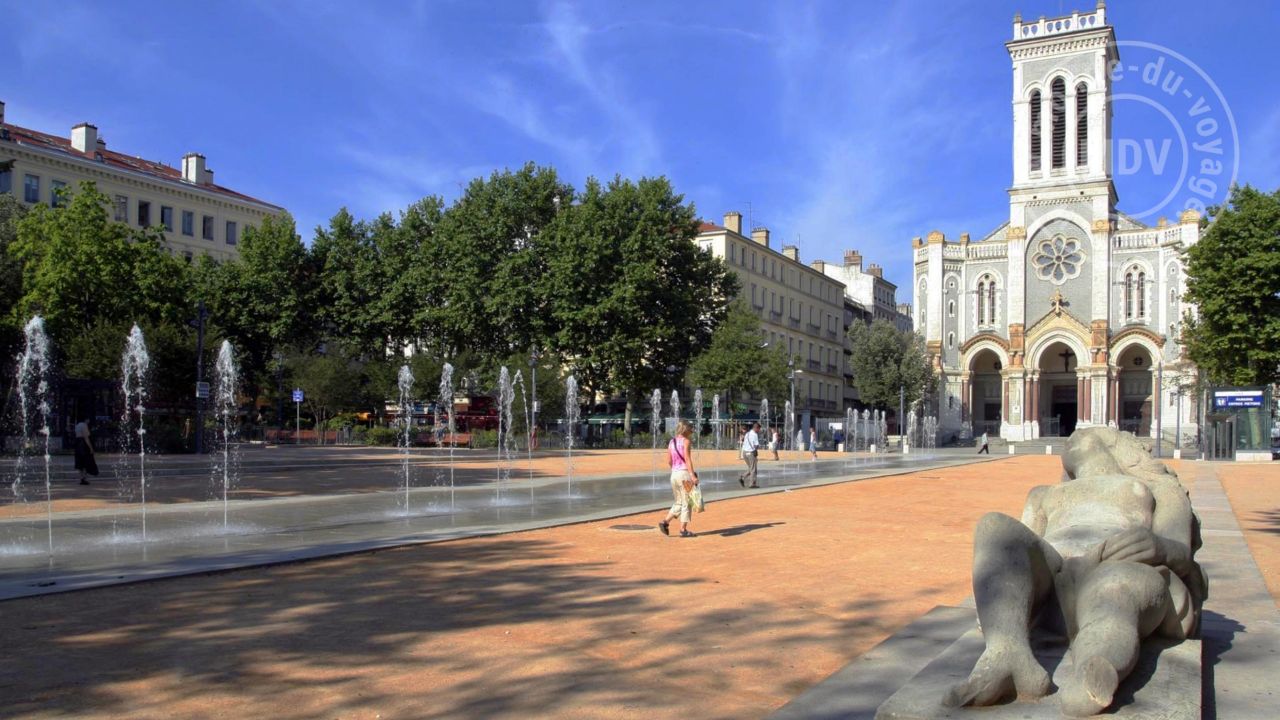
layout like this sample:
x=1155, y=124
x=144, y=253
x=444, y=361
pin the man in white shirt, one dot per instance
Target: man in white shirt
x=750, y=453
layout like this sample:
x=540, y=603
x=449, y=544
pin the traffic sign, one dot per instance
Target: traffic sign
x=297, y=395
x=202, y=389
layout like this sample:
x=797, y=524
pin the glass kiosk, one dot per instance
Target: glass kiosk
x=1238, y=424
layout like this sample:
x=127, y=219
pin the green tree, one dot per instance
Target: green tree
x=11, y=212
x=1233, y=279
x=80, y=267
x=261, y=300
x=488, y=254
x=885, y=359
x=633, y=297
x=737, y=361
x=333, y=383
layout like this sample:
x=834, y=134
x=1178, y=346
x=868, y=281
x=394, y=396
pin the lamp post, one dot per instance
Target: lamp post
x=534, y=356
x=1158, y=396
x=201, y=315
x=902, y=408
x=791, y=377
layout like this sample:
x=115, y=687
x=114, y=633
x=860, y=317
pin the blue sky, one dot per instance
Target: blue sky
x=836, y=124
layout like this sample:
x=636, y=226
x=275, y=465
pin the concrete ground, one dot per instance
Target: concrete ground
x=601, y=619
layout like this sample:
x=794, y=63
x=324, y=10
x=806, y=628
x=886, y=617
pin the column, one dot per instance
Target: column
x=965, y=404
x=1086, y=400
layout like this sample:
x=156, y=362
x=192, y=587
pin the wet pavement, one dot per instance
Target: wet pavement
x=122, y=543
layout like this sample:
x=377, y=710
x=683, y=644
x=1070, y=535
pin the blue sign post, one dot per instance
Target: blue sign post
x=297, y=423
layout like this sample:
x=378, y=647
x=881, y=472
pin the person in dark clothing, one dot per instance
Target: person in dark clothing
x=85, y=461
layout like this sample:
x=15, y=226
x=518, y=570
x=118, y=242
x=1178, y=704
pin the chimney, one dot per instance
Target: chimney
x=819, y=265
x=733, y=221
x=792, y=252
x=760, y=235
x=853, y=258
x=194, y=171
x=876, y=270
x=102, y=144
x=84, y=138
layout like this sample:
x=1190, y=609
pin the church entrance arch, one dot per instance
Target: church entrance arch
x=1056, y=390
x=1133, y=396
x=985, y=386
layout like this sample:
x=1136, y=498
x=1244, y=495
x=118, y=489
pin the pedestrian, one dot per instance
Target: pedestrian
x=750, y=451
x=683, y=479
x=984, y=449
x=85, y=461
x=813, y=441
x=773, y=442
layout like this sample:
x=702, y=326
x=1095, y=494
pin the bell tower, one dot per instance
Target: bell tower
x=1062, y=100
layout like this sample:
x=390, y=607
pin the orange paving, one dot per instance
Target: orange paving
x=595, y=620
x=1254, y=492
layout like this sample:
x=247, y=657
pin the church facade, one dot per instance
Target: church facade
x=1068, y=314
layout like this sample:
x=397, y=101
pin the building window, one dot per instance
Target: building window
x=1082, y=124
x=6, y=179
x=206, y=227
x=951, y=340
x=1035, y=131
x=1059, y=109
x=55, y=199
x=144, y=213
x=991, y=302
x=1142, y=294
x=733, y=253
x=951, y=308
x=186, y=255
x=188, y=223
x=1128, y=295
x=31, y=188
x=166, y=217
x=231, y=233
x=122, y=208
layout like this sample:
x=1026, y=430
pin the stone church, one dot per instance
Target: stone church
x=1067, y=315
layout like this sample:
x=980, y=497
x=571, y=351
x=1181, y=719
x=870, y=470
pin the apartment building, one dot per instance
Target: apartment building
x=801, y=309
x=198, y=216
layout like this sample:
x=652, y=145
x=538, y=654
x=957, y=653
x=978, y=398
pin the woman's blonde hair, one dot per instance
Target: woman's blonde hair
x=684, y=427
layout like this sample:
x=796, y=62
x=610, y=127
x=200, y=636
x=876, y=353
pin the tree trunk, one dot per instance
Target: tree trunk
x=626, y=421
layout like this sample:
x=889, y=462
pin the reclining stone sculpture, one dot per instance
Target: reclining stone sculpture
x=1106, y=558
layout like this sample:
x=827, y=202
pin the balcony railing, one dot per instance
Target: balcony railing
x=815, y=365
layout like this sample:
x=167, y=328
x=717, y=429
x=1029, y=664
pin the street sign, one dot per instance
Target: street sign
x=297, y=395
x=1237, y=398
x=202, y=390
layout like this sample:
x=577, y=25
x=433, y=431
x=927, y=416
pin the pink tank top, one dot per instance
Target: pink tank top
x=676, y=455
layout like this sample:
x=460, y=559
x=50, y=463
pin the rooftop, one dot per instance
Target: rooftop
x=119, y=161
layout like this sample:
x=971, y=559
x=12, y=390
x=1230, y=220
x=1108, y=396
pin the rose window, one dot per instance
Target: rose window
x=1058, y=259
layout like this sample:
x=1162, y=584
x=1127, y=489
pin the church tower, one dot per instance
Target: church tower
x=1067, y=314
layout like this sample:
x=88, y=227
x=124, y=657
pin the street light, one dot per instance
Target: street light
x=791, y=376
x=534, y=356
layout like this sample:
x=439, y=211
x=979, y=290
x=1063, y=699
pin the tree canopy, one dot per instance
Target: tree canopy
x=737, y=361
x=1233, y=280
x=885, y=359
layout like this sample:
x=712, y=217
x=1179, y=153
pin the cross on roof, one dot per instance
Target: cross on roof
x=1057, y=301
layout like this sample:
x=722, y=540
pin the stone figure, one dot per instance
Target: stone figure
x=1105, y=558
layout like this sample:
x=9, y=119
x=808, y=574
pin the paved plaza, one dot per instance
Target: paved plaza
x=604, y=618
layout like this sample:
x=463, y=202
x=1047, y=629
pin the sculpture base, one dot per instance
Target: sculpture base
x=1165, y=685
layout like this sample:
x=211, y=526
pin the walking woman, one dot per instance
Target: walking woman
x=85, y=461
x=683, y=479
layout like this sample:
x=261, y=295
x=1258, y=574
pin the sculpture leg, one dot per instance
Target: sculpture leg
x=1012, y=574
x=1119, y=603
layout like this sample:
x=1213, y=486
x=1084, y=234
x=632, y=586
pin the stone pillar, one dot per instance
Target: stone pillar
x=1086, y=399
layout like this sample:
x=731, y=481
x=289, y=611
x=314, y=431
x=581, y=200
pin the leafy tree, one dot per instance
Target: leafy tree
x=333, y=383
x=885, y=359
x=632, y=296
x=79, y=267
x=737, y=362
x=488, y=252
x=262, y=299
x=1233, y=279
x=11, y=211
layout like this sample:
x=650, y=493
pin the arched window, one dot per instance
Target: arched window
x=1128, y=295
x=951, y=308
x=991, y=302
x=1142, y=297
x=1082, y=124
x=1035, y=130
x=1058, y=94
x=951, y=340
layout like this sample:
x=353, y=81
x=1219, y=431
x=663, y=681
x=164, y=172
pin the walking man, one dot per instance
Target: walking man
x=750, y=453
x=984, y=449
